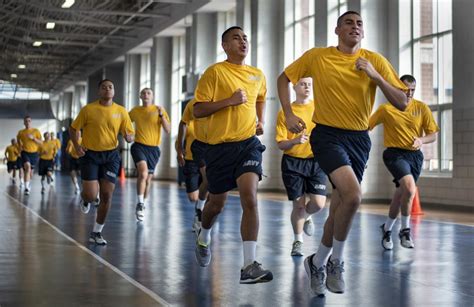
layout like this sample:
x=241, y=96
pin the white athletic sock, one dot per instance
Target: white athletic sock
x=27, y=185
x=98, y=227
x=145, y=201
x=405, y=222
x=200, y=204
x=338, y=249
x=389, y=223
x=250, y=249
x=299, y=237
x=205, y=236
x=140, y=198
x=322, y=255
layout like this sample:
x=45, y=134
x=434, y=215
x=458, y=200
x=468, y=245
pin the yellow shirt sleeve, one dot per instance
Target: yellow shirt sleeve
x=375, y=118
x=126, y=127
x=280, y=129
x=205, y=89
x=300, y=68
x=429, y=124
x=262, y=94
x=188, y=113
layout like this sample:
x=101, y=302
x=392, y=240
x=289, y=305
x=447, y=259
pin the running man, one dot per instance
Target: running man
x=194, y=170
x=300, y=172
x=232, y=97
x=29, y=140
x=74, y=163
x=47, y=153
x=149, y=119
x=345, y=79
x=404, y=134
x=101, y=121
x=12, y=154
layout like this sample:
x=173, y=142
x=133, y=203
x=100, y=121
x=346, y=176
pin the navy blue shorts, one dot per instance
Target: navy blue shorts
x=402, y=162
x=149, y=154
x=198, y=149
x=31, y=157
x=45, y=166
x=97, y=165
x=19, y=163
x=12, y=165
x=192, y=176
x=228, y=161
x=74, y=164
x=334, y=147
x=302, y=176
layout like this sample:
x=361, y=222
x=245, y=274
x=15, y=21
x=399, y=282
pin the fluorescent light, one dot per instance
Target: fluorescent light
x=67, y=4
x=50, y=25
x=22, y=66
x=13, y=76
x=37, y=44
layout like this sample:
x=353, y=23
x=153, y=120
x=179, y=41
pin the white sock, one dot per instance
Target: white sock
x=389, y=224
x=405, y=222
x=250, y=249
x=338, y=249
x=322, y=255
x=22, y=181
x=299, y=237
x=200, y=204
x=140, y=198
x=205, y=236
x=27, y=185
x=98, y=227
x=145, y=201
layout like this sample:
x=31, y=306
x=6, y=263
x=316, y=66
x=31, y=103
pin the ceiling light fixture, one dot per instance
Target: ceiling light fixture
x=50, y=25
x=22, y=66
x=67, y=4
x=13, y=76
x=37, y=44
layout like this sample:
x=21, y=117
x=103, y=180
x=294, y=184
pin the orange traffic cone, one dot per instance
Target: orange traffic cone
x=416, y=205
x=122, y=174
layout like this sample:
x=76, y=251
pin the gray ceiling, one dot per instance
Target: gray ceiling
x=86, y=37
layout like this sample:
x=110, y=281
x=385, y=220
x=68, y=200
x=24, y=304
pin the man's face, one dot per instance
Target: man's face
x=27, y=122
x=146, y=96
x=411, y=89
x=106, y=90
x=351, y=29
x=304, y=87
x=13, y=142
x=236, y=43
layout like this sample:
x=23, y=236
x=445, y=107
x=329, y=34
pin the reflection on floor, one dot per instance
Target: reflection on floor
x=152, y=263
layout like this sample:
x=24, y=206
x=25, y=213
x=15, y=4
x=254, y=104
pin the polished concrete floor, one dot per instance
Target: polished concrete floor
x=45, y=259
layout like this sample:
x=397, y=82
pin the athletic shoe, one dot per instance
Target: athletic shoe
x=297, y=249
x=96, y=237
x=308, y=227
x=405, y=238
x=140, y=212
x=317, y=276
x=255, y=273
x=27, y=192
x=387, y=242
x=335, y=280
x=202, y=253
x=85, y=206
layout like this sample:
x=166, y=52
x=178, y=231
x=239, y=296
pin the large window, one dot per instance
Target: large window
x=427, y=54
x=299, y=29
x=335, y=9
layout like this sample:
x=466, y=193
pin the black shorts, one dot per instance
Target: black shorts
x=192, y=176
x=302, y=176
x=97, y=165
x=198, y=149
x=228, y=161
x=74, y=164
x=149, y=154
x=334, y=147
x=45, y=166
x=12, y=165
x=30, y=157
x=402, y=162
x=19, y=163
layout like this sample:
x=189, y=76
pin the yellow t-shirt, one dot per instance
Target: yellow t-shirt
x=343, y=96
x=101, y=125
x=148, y=124
x=188, y=119
x=71, y=150
x=58, y=144
x=305, y=112
x=401, y=127
x=28, y=144
x=220, y=81
x=12, y=153
x=48, y=150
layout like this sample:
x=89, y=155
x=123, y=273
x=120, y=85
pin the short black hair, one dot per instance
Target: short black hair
x=223, y=37
x=104, y=80
x=408, y=78
x=339, y=19
x=27, y=116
